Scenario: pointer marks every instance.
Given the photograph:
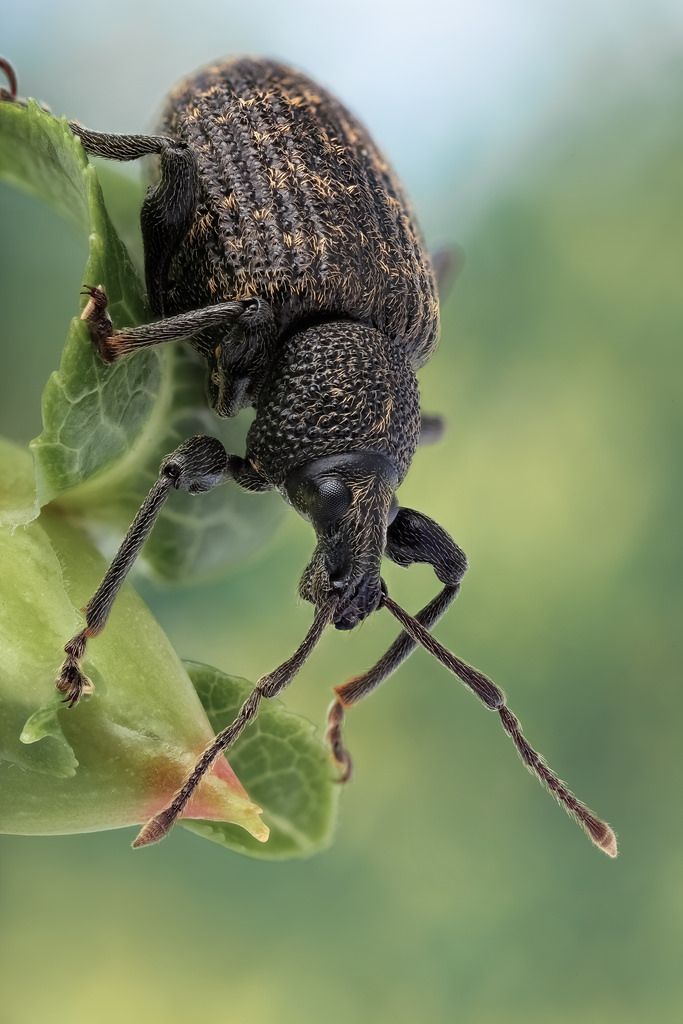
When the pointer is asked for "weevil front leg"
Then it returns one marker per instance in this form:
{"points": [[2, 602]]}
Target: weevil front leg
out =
{"points": [[197, 465], [411, 537]]}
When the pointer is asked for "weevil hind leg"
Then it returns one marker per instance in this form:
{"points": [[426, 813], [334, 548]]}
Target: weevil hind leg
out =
{"points": [[165, 218], [8, 95], [169, 207], [447, 263], [432, 429]]}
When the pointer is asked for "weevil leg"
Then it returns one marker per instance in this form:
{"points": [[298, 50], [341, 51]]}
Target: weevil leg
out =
{"points": [[432, 429], [8, 95], [112, 344], [166, 217], [447, 263], [197, 465], [169, 206], [120, 147], [411, 537]]}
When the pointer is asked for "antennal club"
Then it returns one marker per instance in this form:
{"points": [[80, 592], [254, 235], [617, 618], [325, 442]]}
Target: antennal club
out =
{"points": [[493, 697]]}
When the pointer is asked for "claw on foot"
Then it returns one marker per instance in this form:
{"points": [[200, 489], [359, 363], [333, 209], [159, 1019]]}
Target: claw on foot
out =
{"points": [[72, 682], [345, 765], [99, 322]]}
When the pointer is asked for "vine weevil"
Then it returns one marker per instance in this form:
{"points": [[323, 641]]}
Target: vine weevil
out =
{"points": [[279, 244]]}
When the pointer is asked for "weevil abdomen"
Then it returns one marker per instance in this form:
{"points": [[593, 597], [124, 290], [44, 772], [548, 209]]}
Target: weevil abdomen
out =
{"points": [[296, 205]]}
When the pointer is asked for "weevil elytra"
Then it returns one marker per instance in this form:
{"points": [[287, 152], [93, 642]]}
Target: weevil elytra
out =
{"points": [[280, 245]]}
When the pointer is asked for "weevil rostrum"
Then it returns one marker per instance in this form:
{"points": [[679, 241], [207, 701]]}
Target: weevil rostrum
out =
{"points": [[280, 245]]}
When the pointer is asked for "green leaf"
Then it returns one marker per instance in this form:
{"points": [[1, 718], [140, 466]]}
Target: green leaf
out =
{"points": [[106, 428], [18, 502], [119, 755], [283, 763]]}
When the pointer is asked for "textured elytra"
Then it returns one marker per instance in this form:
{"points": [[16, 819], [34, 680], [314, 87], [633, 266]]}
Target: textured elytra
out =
{"points": [[296, 205]]}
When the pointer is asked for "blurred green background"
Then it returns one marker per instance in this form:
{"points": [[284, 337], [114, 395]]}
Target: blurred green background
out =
{"points": [[545, 139]]}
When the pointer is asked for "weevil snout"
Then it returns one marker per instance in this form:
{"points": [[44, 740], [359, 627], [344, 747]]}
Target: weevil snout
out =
{"points": [[329, 576], [349, 505], [359, 593], [360, 598]]}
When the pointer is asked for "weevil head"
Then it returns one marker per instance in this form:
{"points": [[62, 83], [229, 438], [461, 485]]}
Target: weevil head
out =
{"points": [[348, 500], [336, 427]]}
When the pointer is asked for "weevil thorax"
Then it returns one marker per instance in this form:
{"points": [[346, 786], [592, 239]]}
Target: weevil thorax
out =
{"points": [[336, 427]]}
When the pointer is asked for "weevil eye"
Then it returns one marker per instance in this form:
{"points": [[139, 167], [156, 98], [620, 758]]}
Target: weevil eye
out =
{"points": [[326, 501]]}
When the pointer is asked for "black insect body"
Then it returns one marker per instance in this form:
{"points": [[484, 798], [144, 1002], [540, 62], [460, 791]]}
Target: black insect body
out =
{"points": [[280, 245]]}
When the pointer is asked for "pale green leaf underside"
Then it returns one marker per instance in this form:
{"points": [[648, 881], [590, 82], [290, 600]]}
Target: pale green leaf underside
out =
{"points": [[284, 766], [106, 428], [109, 761], [18, 502]]}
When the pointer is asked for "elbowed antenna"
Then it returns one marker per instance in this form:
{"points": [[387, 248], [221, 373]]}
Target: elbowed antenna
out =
{"points": [[493, 697]]}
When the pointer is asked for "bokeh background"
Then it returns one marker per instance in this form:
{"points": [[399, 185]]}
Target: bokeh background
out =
{"points": [[546, 139]]}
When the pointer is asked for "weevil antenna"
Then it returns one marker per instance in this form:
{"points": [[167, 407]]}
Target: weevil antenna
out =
{"points": [[268, 686], [11, 78], [493, 697], [358, 687]]}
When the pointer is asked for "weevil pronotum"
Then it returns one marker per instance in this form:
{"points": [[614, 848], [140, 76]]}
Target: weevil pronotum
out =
{"points": [[280, 245]]}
